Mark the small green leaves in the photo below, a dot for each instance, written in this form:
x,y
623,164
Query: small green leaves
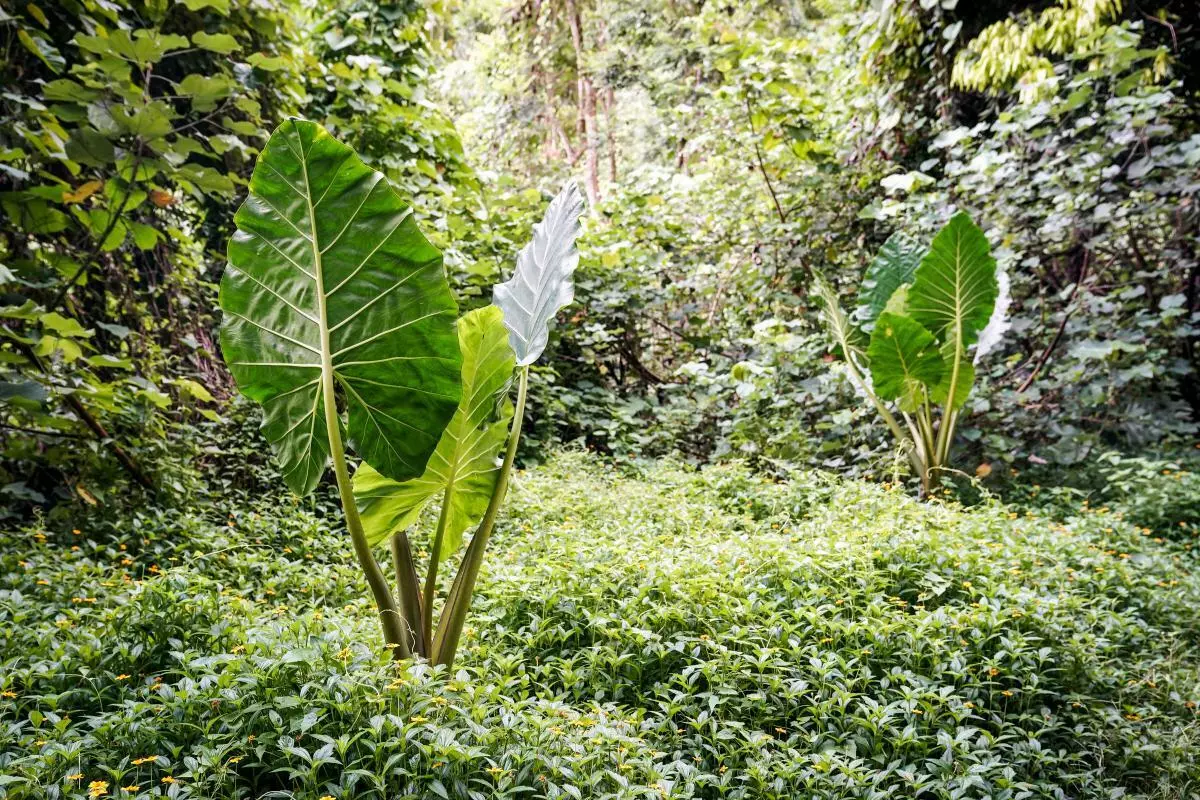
x,y
328,274
904,360
216,42
143,46
541,284
463,469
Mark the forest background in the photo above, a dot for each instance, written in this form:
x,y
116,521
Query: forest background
x,y
729,153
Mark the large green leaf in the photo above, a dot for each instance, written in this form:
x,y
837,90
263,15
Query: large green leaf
x,y
953,294
904,360
954,288
541,283
463,469
329,278
892,267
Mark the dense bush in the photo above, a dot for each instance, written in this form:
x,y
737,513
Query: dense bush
x,y
639,633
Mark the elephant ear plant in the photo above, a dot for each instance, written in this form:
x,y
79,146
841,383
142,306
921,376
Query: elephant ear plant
x,y
926,315
339,321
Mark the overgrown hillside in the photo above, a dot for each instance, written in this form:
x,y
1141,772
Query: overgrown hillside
x,y
640,632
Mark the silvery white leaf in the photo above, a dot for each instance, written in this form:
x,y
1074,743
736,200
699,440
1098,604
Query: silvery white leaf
x,y
542,284
999,323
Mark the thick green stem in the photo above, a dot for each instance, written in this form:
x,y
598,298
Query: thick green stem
x,y
434,559
914,457
454,613
395,631
408,585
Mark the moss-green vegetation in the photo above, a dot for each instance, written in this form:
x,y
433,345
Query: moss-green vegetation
x,y
638,632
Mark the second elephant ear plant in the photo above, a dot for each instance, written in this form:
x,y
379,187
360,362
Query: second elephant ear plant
x,y
339,321
926,316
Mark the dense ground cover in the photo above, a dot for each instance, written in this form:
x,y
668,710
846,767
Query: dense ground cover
x,y
640,632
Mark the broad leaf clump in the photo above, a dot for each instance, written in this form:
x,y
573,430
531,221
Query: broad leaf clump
x,y
332,300
922,316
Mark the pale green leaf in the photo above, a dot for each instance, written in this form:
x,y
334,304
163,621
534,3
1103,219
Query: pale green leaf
x,y
463,469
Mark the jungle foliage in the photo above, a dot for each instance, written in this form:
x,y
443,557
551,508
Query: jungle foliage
x,y
733,152
270,273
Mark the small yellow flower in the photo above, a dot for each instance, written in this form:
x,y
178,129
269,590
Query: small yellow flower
x,y
78,776
97,788
144,760
8,693
1007,693
133,787
236,759
325,797
418,719
122,677
167,779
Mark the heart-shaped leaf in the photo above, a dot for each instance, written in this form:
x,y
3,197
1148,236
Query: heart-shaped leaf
x,y
954,288
463,469
953,295
904,360
330,281
542,284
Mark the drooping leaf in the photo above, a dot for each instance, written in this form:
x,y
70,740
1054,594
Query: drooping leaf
x,y
328,275
998,325
904,360
892,267
848,338
954,288
542,284
465,459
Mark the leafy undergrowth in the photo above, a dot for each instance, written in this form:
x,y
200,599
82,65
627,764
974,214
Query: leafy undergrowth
x,y
664,633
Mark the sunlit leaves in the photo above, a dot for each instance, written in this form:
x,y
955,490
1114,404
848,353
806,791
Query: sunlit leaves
x,y
954,288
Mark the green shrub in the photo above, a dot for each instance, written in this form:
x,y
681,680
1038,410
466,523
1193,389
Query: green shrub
x,y
651,631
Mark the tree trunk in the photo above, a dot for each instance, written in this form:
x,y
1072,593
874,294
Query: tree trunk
x,y
586,91
610,100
